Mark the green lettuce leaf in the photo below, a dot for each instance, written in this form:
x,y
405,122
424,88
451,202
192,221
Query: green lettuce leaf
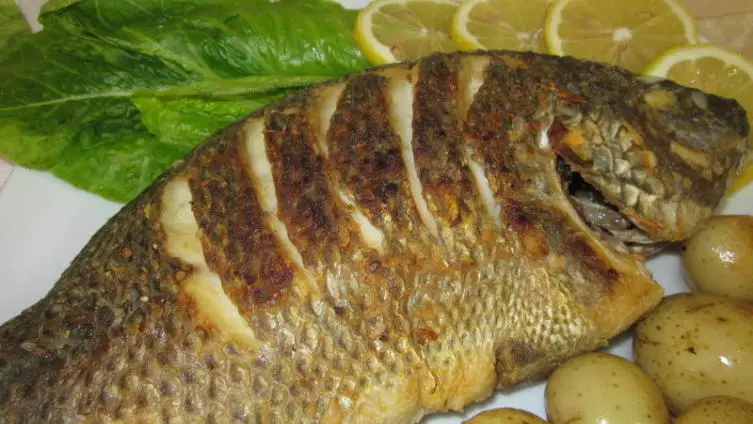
x,y
109,94
115,147
52,5
12,22
189,113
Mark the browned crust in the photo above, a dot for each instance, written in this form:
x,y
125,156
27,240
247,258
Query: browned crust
x,y
443,318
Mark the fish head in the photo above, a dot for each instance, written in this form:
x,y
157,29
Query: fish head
x,y
655,154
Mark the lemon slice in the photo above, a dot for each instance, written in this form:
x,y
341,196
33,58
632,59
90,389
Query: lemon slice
x,y
389,31
501,24
715,70
627,33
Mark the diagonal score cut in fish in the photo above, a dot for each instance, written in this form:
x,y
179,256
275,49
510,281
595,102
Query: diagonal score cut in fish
x,y
388,245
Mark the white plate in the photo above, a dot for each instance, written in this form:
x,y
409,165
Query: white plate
x,y
44,222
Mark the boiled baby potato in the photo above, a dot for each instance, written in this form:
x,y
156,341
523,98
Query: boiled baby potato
x,y
719,257
599,388
505,416
696,345
718,410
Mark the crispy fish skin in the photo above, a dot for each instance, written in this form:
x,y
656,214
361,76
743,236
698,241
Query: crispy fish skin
x,y
388,245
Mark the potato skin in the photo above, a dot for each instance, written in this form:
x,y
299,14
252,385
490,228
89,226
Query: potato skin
x,y
505,416
718,410
719,258
600,388
696,345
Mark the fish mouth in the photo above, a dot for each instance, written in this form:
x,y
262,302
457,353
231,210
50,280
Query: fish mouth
x,y
604,218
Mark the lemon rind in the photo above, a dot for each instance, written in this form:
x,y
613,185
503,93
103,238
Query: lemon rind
x,y
661,65
459,33
554,42
373,49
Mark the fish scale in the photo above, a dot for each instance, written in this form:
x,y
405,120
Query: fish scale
x,y
391,244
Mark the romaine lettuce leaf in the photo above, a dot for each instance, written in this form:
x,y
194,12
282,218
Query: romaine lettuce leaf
x,y
52,5
109,94
180,121
115,148
193,112
12,22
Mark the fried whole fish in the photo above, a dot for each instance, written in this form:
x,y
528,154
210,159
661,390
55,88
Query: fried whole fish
x,y
394,243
